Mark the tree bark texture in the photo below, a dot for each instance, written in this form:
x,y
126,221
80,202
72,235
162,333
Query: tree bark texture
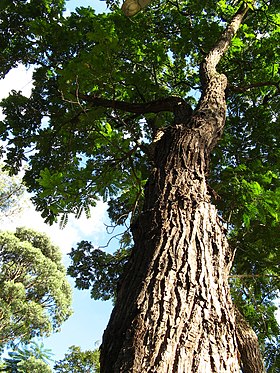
x,y
248,346
174,312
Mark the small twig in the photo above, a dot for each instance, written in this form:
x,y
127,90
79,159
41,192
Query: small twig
x,y
253,85
109,241
253,276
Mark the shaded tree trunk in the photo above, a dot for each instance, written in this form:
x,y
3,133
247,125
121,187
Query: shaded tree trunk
x,y
248,346
174,311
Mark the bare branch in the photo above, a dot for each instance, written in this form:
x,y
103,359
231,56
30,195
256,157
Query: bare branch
x,y
165,104
254,276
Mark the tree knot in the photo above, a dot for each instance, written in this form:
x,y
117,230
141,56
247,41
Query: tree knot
x,y
182,112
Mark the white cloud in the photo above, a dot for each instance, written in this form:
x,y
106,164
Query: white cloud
x,y
19,79
75,230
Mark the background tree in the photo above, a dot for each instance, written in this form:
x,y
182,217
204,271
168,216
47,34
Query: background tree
x,y
11,194
117,93
78,361
32,357
35,295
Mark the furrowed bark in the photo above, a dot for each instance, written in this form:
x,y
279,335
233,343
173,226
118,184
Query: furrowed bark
x,y
248,345
174,312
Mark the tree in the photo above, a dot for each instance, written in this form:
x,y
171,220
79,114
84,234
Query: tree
x,y
35,295
11,194
78,361
137,115
31,358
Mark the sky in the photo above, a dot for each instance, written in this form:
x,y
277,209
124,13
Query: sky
x,y
85,327
98,5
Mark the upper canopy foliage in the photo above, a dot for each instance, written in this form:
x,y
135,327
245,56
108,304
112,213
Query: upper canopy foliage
x,y
84,139
18,22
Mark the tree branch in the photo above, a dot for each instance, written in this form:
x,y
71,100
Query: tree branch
x,y
208,66
253,85
254,276
171,103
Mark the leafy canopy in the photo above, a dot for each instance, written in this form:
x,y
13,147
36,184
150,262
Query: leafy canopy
x,y
35,295
88,127
19,36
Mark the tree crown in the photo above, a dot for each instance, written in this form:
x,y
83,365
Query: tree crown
x,y
35,294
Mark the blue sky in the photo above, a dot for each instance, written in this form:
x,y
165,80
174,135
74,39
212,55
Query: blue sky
x,y
98,5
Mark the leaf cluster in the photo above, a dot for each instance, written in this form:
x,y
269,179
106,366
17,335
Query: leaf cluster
x,y
97,270
78,361
32,357
19,32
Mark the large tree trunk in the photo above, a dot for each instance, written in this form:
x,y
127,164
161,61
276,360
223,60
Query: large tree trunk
x,y
174,311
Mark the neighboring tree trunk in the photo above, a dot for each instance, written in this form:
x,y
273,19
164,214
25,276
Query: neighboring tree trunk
x,y
248,346
174,311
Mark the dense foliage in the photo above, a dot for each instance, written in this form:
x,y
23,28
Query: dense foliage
x,y
88,141
19,21
35,295
78,361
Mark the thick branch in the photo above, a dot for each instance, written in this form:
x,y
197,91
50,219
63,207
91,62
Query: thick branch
x,y
212,103
208,67
166,104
